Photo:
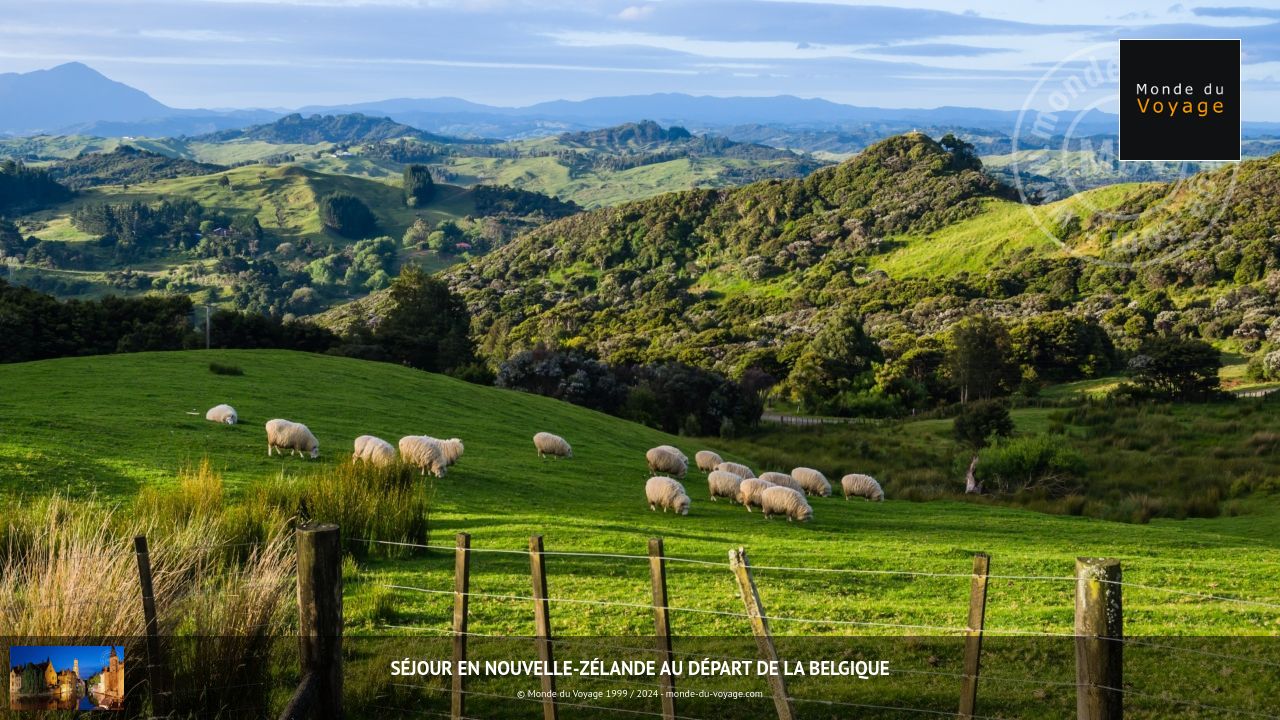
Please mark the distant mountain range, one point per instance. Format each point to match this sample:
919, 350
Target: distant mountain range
76, 99
345, 128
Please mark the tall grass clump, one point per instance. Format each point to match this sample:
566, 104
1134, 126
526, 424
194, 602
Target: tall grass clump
369, 503
68, 570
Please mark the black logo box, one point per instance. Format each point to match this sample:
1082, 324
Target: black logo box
1180, 65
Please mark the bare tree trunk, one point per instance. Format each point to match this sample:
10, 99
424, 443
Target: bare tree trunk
971, 484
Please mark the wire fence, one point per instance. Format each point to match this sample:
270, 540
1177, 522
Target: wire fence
782, 619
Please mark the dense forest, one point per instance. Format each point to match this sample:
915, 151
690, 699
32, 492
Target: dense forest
772, 278
127, 165
25, 189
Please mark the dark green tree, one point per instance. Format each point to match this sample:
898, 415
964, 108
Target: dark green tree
1174, 368
979, 359
347, 215
427, 326
418, 186
974, 427
838, 355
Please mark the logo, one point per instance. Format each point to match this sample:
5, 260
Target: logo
1180, 100
1068, 128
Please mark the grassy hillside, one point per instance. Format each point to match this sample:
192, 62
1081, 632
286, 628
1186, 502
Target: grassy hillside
130, 426
1000, 232
260, 190
283, 199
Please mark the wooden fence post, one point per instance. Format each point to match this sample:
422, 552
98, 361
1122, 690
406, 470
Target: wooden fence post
542, 627
461, 588
662, 626
155, 663
1099, 640
973, 635
320, 617
760, 627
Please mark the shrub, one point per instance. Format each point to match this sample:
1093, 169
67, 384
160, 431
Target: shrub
1033, 463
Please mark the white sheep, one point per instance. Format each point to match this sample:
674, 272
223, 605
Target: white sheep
553, 445
666, 459
813, 482
863, 486
452, 450
666, 493
738, 469
749, 491
222, 414
723, 484
785, 501
295, 437
424, 453
707, 460
373, 450
783, 479
677, 451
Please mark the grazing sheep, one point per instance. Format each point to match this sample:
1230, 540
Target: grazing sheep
749, 492
295, 437
813, 482
668, 494
373, 450
452, 450
677, 451
723, 484
783, 479
863, 486
222, 414
738, 469
785, 501
552, 445
707, 460
424, 453
666, 459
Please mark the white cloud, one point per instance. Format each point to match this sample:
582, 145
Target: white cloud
635, 12
201, 36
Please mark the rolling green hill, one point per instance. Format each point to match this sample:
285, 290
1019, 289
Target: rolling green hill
910, 237
260, 190
284, 202
140, 419
602, 167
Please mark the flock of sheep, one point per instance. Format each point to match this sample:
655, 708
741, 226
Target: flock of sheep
775, 493
426, 453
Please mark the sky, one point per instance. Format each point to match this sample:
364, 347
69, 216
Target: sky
903, 53
92, 658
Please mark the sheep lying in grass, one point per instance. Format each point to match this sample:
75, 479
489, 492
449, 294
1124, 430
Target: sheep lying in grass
863, 486
552, 445
785, 501
666, 493
738, 469
707, 460
424, 453
749, 491
452, 450
222, 414
295, 437
666, 459
373, 450
723, 485
783, 479
812, 481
